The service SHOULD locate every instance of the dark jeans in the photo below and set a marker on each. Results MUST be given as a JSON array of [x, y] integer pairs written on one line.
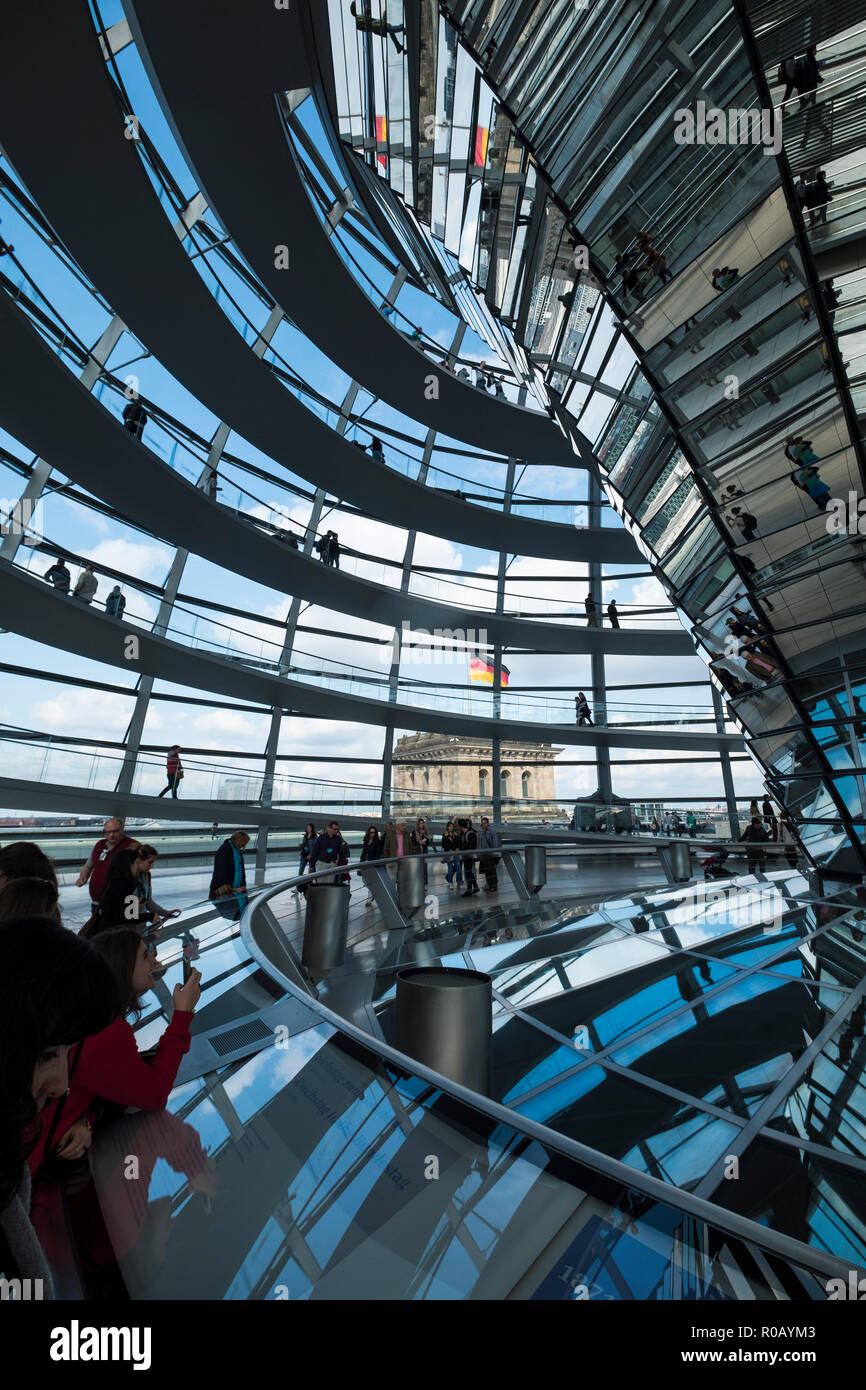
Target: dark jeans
[[171, 785], [488, 866], [454, 870]]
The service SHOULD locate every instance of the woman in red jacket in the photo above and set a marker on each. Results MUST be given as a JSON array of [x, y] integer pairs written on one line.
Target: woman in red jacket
[[108, 1065]]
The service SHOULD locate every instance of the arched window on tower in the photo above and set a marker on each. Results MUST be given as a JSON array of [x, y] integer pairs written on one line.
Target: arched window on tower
[[504, 777], [524, 784], [482, 781]]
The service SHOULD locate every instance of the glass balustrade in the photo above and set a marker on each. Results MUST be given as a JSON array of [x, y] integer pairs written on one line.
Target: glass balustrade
[[207, 635]]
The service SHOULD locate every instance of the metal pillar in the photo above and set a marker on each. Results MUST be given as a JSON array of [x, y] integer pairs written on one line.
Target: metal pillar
[[725, 760], [599, 679], [496, 743]]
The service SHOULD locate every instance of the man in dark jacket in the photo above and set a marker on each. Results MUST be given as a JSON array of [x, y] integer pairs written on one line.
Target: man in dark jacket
[[581, 709], [330, 848], [754, 836], [469, 841], [135, 418], [58, 575], [229, 874]]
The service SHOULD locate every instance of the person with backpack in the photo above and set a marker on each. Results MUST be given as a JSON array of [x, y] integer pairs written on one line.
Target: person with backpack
[[115, 603], [788, 74], [469, 841], [330, 848], [754, 836]]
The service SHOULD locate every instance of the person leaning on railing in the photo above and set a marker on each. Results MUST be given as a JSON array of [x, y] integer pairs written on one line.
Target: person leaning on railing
[[107, 1066], [229, 874], [54, 991], [125, 900]]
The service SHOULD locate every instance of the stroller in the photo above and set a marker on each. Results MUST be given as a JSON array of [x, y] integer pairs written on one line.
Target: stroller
[[714, 866]]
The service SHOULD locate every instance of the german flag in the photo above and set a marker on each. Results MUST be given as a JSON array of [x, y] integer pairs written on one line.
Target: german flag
[[481, 670], [382, 138]]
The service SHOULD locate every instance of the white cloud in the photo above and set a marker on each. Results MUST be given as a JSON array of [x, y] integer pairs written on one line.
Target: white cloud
[[83, 712], [138, 559]]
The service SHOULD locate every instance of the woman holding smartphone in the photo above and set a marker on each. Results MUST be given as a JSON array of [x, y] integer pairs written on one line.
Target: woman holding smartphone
[[108, 1065]]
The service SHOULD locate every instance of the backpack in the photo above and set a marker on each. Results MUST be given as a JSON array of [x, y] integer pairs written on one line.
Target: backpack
[[787, 70], [470, 839]]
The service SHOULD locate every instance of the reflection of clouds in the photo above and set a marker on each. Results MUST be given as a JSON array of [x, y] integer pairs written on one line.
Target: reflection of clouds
[[275, 1066]]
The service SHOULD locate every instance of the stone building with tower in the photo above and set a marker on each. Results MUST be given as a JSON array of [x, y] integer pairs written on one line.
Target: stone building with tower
[[441, 774]]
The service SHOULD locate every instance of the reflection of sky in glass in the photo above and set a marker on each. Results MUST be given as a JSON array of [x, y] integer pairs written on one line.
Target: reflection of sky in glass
[[545, 1107], [257, 1261], [263, 1076], [684, 1153]]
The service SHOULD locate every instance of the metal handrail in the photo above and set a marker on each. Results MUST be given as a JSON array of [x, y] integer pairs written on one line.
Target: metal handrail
[[730, 1223]]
